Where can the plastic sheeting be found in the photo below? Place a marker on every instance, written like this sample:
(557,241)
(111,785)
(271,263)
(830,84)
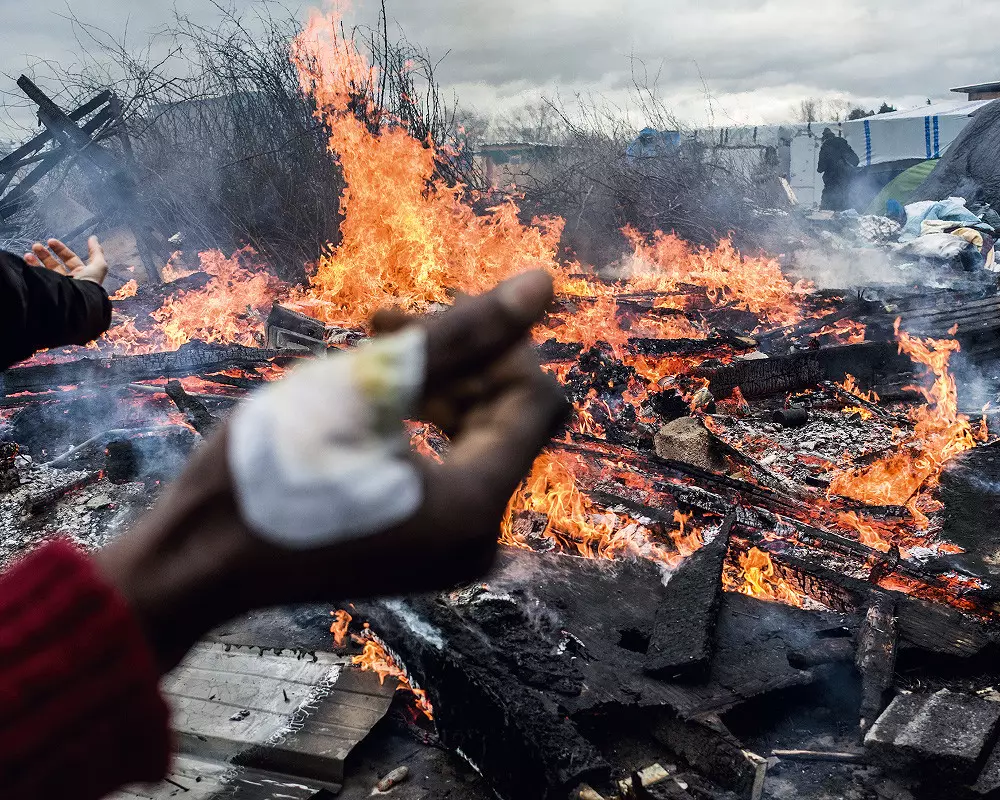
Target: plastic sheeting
(924,132)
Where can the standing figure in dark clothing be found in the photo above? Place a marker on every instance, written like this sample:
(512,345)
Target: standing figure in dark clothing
(51,298)
(838,164)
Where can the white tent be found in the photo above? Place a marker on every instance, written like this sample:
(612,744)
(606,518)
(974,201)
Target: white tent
(921,133)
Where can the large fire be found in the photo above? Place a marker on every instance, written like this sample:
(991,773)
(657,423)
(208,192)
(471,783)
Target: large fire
(411,240)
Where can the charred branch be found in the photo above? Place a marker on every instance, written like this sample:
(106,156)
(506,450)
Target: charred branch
(190,359)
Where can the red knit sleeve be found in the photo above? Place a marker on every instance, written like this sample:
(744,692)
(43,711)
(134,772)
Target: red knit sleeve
(80,709)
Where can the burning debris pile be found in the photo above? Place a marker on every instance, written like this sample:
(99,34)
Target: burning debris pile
(748,495)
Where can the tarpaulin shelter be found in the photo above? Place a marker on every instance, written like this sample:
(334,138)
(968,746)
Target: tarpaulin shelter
(921,133)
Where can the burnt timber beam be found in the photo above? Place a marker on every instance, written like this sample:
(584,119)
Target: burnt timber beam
(867,361)
(100,164)
(515,735)
(190,359)
(683,636)
(38,142)
(45,163)
(876,656)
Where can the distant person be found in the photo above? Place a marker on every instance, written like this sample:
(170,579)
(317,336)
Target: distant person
(838,164)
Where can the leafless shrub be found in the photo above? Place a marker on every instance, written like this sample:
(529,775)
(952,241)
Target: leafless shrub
(227,148)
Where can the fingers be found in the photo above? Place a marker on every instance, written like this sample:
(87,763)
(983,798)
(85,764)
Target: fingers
(481,329)
(67,256)
(45,258)
(499,440)
(95,251)
(390,320)
(32,260)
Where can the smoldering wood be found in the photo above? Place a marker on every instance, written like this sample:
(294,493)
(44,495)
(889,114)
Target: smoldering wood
(690,347)
(683,635)
(194,410)
(190,359)
(42,501)
(514,734)
(148,458)
(832,650)
(870,362)
(569,633)
(707,746)
(934,627)
(876,656)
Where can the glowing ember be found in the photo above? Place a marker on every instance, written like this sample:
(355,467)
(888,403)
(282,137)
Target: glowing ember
(339,627)
(758,578)
(939,434)
(126,290)
(376,658)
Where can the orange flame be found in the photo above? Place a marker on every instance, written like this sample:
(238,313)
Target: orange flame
(406,237)
(339,627)
(664,262)
(578,526)
(126,290)
(376,658)
(231,308)
(939,434)
(758,578)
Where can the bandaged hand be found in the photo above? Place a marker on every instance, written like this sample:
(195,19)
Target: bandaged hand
(311,492)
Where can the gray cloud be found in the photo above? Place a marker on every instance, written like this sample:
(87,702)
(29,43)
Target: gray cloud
(756,58)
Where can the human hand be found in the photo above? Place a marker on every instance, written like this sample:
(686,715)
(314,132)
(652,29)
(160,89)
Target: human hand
(194,561)
(59,258)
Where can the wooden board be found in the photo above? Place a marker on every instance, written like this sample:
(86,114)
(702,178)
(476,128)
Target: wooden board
(268,713)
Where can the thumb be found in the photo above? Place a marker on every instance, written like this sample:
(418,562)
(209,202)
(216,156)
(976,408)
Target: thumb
(94,248)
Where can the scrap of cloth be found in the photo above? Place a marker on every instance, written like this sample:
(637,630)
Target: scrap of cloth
(40,308)
(322,456)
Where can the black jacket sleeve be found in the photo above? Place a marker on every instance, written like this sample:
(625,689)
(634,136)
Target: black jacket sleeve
(40,309)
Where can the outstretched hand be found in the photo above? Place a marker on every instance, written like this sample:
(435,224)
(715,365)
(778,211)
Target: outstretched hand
(193,561)
(59,258)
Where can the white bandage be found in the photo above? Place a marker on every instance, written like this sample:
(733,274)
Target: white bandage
(321,456)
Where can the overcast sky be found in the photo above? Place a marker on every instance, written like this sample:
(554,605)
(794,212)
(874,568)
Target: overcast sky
(755,59)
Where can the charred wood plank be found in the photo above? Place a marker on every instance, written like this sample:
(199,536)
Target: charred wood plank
(819,755)
(514,735)
(189,359)
(876,656)
(690,347)
(832,650)
(868,361)
(683,636)
(709,747)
